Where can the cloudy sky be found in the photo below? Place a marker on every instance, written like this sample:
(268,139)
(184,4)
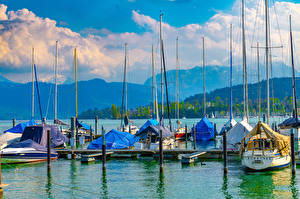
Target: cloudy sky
(99,29)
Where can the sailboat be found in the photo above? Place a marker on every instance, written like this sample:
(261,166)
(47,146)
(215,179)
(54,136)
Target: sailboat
(180,131)
(204,129)
(126,127)
(264,148)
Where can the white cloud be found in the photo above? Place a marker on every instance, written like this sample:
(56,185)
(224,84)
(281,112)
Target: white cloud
(100,52)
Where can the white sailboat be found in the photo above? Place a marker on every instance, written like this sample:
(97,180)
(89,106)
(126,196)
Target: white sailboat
(264,148)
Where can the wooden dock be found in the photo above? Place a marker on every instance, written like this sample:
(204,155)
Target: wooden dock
(91,157)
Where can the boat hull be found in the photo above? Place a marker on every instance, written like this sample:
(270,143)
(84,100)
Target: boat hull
(204,136)
(259,163)
(27,157)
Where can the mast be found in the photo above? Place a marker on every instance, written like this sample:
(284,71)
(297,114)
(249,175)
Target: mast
(230,72)
(154,89)
(32,91)
(124,96)
(258,83)
(161,67)
(293,69)
(165,78)
(203,64)
(267,59)
(245,86)
(177,81)
(75,60)
(55,99)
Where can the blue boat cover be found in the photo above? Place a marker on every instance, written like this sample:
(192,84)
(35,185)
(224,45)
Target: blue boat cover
(20,127)
(39,135)
(114,140)
(148,123)
(155,130)
(29,144)
(204,130)
(82,125)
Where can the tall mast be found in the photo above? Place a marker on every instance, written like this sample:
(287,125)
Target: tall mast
(55,98)
(244,64)
(125,77)
(161,64)
(32,75)
(154,89)
(230,72)
(267,59)
(124,95)
(293,69)
(258,83)
(203,64)
(177,82)
(75,60)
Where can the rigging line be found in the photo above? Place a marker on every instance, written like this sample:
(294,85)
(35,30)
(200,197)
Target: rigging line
(38,92)
(255,23)
(49,97)
(276,15)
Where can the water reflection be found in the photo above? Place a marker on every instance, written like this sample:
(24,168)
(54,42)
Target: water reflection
(161,185)
(225,187)
(104,193)
(49,185)
(280,184)
(73,174)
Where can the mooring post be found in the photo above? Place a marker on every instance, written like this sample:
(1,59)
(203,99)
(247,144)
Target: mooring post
(91,133)
(73,136)
(103,150)
(96,125)
(161,155)
(225,151)
(14,122)
(48,151)
(186,136)
(194,134)
(129,129)
(293,151)
(44,120)
(215,130)
(1,190)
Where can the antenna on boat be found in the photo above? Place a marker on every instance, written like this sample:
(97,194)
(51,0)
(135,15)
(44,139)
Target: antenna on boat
(56,64)
(32,75)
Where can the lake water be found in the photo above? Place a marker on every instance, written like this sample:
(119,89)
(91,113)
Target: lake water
(140,178)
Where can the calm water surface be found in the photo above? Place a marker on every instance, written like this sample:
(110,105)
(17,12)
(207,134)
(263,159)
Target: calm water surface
(140,178)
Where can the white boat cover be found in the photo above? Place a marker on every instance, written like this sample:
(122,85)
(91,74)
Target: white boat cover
(229,125)
(9,138)
(237,133)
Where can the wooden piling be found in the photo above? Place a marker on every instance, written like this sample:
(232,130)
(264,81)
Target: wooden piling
(225,152)
(103,150)
(91,134)
(96,125)
(48,151)
(161,155)
(215,130)
(293,151)
(194,134)
(14,122)
(186,136)
(44,120)
(1,189)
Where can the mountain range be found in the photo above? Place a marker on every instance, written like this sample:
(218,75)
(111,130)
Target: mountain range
(191,80)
